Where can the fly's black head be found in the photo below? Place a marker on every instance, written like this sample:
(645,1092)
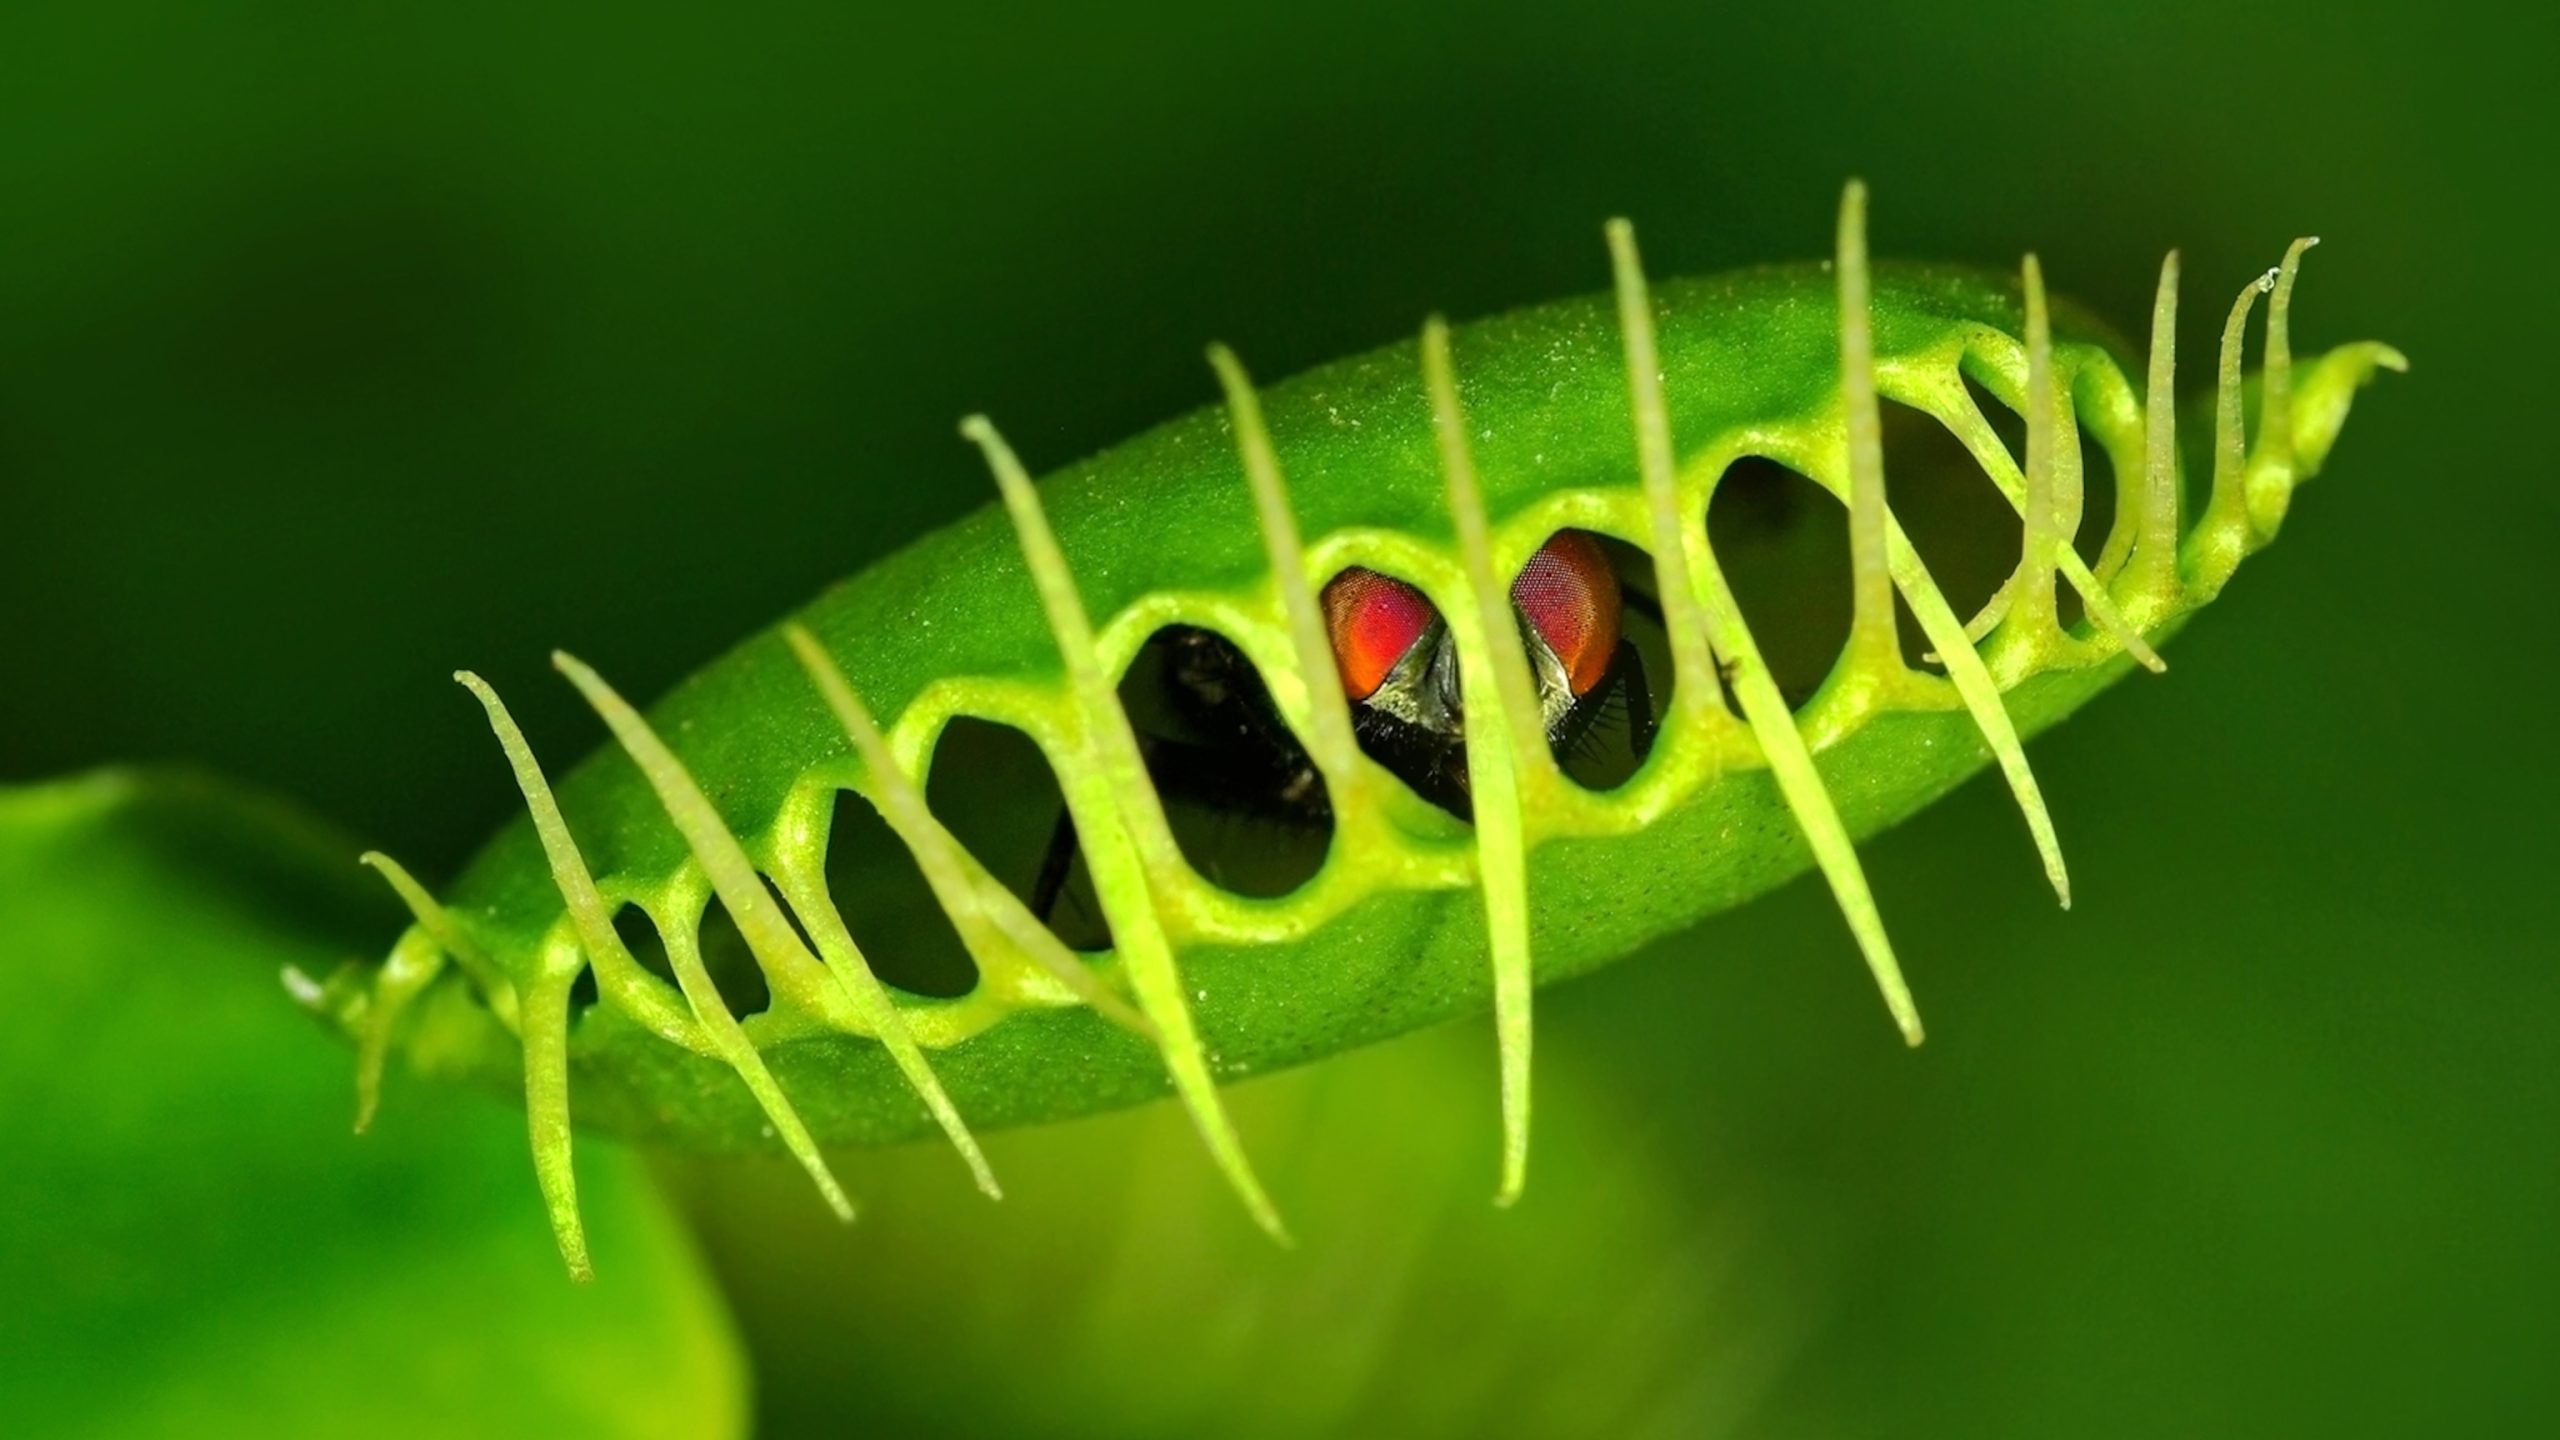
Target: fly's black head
(1399,664)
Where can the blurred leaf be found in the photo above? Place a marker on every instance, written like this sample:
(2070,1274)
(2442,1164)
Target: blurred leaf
(192,1243)
(1120,1292)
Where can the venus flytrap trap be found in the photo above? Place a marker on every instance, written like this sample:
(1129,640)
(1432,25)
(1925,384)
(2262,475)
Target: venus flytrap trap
(1385,575)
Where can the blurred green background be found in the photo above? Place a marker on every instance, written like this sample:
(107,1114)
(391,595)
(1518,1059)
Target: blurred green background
(341,345)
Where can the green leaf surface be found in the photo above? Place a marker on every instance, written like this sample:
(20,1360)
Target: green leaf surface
(1383,940)
(191,1242)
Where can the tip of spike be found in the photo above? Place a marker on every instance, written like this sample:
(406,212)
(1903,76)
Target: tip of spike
(1238,385)
(305,991)
(470,680)
(579,673)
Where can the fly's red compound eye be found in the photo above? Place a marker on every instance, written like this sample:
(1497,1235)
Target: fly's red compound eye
(1374,620)
(1569,595)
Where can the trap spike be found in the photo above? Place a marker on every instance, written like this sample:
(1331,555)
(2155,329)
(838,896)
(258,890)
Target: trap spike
(1981,696)
(1501,710)
(1696,603)
(1696,690)
(2221,538)
(1993,611)
(2034,607)
(2230,415)
(1874,535)
(1973,430)
(1872,635)
(724,861)
(972,905)
(1112,785)
(2155,544)
(684,956)
(2068,471)
(1014,921)
(302,989)
(2325,390)
(1873,646)
(545,1032)
(2051,506)
(2273,472)
(808,897)
(414,963)
(2275,423)
(717,1030)
(1970,426)
(2102,611)
(439,925)
(2100,607)
(618,974)
(1800,786)
(785,961)
(1329,738)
